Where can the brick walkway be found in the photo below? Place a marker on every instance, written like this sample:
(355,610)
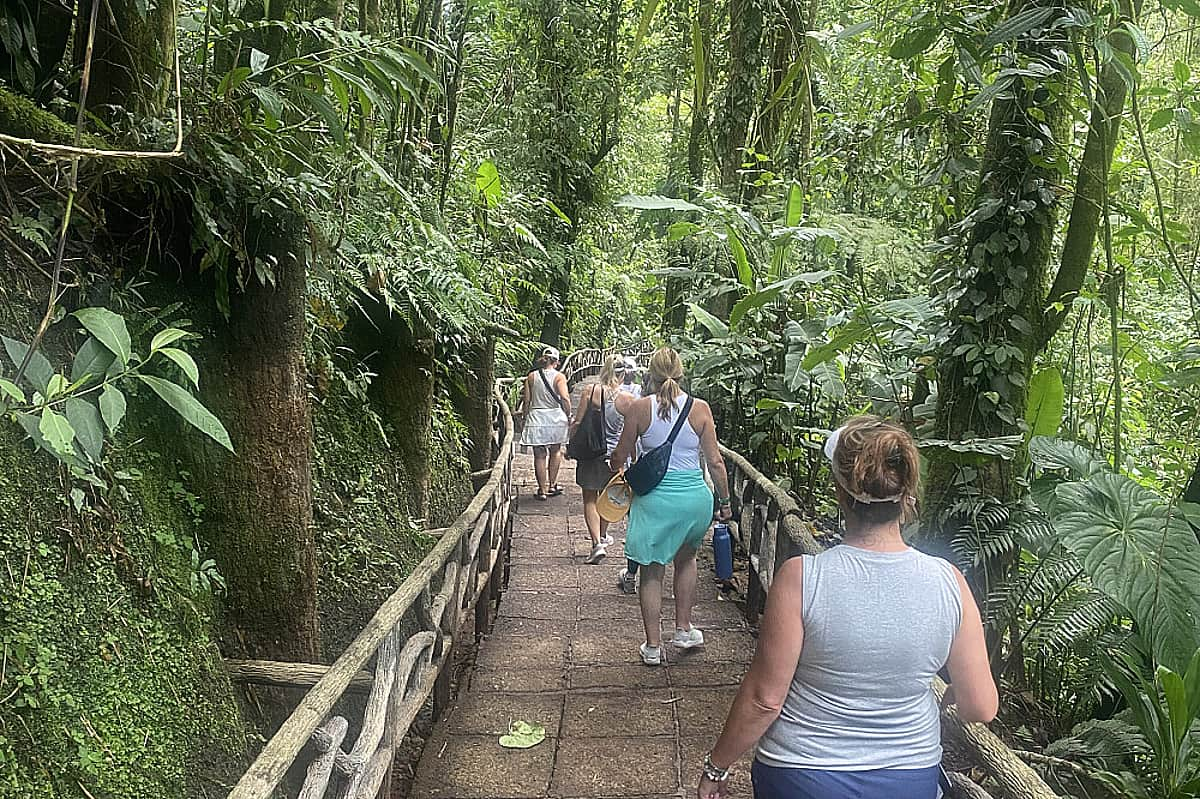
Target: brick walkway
(564,654)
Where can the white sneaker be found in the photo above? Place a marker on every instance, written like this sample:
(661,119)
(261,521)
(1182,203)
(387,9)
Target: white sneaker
(688,639)
(607,540)
(598,553)
(651,655)
(627,582)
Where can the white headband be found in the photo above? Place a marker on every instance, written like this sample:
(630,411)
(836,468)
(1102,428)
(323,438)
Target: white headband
(831,444)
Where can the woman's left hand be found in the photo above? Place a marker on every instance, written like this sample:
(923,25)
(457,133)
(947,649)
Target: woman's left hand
(725,513)
(709,789)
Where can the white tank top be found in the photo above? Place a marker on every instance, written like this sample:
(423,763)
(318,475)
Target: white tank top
(541,396)
(685,455)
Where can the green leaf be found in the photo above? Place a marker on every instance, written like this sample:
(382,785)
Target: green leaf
(523,735)
(745,274)
(914,42)
(1175,694)
(847,336)
(1018,25)
(39,371)
(93,359)
(643,27)
(681,230)
(487,183)
(793,210)
(1044,413)
(1160,119)
(712,324)
(1054,454)
(112,407)
(557,211)
(655,202)
(1136,549)
(109,328)
(189,408)
(184,362)
(89,428)
(333,120)
(56,432)
(165,338)
(11,390)
(766,295)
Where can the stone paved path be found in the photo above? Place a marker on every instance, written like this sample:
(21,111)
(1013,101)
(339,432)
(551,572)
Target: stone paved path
(564,653)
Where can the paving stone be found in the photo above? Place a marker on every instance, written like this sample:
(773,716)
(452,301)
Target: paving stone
(588,768)
(541,578)
(631,675)
(702,712)
(718,614)
(632,713)
(538,605)
(477,767)
(611,605)
(489,713)
(685,673)
(720,646)
(607,642)
(507,651)
(510,680)
(512,625)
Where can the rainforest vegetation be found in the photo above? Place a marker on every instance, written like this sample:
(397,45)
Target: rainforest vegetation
(262,260)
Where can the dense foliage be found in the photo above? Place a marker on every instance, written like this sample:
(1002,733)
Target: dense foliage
(980,219)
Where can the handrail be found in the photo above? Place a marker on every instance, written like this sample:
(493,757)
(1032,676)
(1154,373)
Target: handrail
(410,665)
(591,359)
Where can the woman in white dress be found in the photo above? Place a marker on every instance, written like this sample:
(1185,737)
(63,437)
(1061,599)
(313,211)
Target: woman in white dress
(547,406)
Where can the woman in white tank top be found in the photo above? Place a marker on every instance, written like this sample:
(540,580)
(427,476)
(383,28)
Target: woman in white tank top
(546,405)
(667,525)
(839,696)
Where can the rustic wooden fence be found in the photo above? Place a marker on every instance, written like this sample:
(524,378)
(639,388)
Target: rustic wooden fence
(410,640)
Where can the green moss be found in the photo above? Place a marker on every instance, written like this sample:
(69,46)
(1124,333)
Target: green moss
(112,686)
(367,540)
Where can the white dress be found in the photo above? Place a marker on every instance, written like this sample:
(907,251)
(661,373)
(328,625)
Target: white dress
(545,420)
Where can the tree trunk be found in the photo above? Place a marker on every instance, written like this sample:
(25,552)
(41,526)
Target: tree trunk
(741,95)
(474,401)
(261,505)
(131,58)
(991,334)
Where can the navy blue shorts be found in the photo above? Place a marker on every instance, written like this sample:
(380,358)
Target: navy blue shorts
(773,782)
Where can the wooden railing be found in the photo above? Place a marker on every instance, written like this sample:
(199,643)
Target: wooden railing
(582,364)
(761,511)
(411,639)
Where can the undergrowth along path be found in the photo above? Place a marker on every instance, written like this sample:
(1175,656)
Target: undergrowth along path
(564,654)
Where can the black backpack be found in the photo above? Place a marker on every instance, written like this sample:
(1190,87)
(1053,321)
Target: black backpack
(588,443)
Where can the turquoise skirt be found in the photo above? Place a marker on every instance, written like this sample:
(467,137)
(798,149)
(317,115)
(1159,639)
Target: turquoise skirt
(675,514)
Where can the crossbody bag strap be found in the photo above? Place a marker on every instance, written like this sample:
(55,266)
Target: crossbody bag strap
(550,388)
(683,415)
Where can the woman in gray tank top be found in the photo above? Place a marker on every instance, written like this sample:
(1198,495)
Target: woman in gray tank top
(839,696)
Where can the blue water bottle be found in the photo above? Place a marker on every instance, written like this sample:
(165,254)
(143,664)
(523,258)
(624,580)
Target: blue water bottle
(722,545)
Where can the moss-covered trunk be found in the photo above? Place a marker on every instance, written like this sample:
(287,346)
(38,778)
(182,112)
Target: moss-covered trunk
(474,401)
(991,334)
(261,533)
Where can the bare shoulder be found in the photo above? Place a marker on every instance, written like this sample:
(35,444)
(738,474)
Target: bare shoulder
(701,412)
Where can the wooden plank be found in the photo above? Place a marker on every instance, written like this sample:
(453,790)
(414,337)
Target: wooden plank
(328,741)
(289,675)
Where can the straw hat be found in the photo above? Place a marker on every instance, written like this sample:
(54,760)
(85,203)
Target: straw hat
(613,502)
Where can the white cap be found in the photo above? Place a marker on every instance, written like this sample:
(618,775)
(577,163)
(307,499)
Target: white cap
(551,353)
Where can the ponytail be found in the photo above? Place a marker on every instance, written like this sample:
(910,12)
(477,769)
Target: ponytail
(665,372)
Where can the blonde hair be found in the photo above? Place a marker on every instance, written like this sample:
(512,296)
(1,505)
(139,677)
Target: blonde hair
(663,376)
(877,460)
(608,372)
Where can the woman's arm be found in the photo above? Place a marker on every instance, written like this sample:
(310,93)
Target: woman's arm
(525,394)
(636,422)
(974,690)
(582,410)
(564,396)
(765,687)
(712,456)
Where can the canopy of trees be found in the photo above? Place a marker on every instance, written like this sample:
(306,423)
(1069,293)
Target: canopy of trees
(260,263)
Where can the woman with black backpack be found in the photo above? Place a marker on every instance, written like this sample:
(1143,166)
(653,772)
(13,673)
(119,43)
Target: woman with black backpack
(594,435)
